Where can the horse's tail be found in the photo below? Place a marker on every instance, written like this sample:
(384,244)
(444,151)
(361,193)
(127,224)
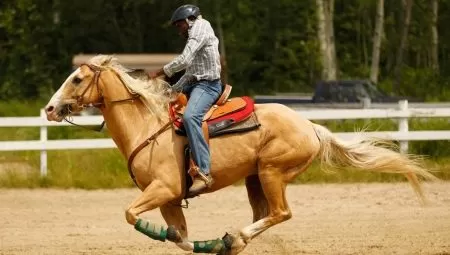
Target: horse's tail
(372,155)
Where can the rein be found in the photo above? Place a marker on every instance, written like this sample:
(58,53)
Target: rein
(143,145)
(96,128)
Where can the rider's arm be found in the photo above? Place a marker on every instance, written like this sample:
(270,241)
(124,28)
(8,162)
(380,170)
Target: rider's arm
(197,37)
(180,83)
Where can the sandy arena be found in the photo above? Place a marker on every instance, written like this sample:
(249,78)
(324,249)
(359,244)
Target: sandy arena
(327,219)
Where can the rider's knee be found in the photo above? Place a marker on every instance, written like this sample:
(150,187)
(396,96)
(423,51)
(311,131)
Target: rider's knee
(188,117)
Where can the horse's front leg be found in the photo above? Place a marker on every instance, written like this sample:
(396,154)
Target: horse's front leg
(174,217)
(155,195)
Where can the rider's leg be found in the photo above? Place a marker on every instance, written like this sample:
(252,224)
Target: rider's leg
(202,96)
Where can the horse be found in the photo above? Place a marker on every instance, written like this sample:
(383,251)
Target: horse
(136,110)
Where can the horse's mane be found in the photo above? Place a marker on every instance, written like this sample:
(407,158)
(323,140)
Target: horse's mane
(154,93)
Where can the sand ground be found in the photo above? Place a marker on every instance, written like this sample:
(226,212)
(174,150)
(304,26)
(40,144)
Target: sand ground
(327,219)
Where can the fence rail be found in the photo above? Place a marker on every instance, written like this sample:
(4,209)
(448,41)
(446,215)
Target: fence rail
(402,113)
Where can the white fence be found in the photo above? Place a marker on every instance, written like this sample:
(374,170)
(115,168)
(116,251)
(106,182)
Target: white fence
(402,113)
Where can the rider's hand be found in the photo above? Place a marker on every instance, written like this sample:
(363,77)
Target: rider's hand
(152,75)
(155,74)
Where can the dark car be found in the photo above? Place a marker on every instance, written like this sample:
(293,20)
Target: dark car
(352,91)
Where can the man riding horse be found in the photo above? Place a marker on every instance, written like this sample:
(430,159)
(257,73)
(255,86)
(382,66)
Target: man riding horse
(269,157)
(201,83)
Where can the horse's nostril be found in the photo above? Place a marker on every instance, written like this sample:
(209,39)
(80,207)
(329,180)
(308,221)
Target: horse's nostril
(50,109)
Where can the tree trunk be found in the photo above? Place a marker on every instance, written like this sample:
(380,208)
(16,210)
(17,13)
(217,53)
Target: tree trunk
(407,6)
(325,32)
(223,54)
(329,17)
(379,24)
(321,34)
(434,36)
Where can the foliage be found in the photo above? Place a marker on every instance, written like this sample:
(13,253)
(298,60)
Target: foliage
(271,46)
(31,54)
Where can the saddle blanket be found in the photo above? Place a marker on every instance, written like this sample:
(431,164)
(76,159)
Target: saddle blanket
(240,119)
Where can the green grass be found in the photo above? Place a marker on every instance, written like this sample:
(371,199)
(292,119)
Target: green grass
(16,108)
(87,169)
(106,168)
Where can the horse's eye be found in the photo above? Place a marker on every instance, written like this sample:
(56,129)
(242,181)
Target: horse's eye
(77,80)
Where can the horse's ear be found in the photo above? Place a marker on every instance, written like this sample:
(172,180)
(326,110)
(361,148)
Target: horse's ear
(106,61)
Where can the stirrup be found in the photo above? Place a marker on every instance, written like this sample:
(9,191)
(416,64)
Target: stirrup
(208,181)
(195,173)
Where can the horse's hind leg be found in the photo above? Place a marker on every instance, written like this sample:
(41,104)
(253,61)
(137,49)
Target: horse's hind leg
(256,197)
(274,187)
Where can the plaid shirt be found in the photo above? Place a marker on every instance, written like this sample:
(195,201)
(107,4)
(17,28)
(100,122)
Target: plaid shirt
(200,56)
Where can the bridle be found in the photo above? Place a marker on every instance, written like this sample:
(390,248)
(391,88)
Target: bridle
(94,82)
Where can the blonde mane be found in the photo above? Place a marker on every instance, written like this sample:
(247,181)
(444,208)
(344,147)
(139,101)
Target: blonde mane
(154,93)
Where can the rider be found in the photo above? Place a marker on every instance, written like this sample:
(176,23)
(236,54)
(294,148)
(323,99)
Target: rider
(201,83)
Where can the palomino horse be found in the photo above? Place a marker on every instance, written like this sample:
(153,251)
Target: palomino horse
(269,157)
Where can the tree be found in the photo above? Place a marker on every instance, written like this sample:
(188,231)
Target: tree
(31,55)
(325,12)
(407,7)
(434,36)
(267,46)
(378,34)
(223,53)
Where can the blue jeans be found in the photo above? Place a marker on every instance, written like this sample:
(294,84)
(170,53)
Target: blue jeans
(202,95)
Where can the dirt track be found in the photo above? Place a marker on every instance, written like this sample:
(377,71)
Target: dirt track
(327,219)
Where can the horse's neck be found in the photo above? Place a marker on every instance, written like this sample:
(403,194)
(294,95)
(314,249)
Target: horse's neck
(129,123)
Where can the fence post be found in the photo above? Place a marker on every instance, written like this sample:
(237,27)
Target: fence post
(403,125)
(366,103)
(43,136)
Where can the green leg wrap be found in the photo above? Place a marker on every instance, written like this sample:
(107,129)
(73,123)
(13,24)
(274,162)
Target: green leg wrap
(151,230)
(211,246)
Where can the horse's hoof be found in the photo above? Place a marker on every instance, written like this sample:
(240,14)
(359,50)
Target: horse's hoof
(228,240)
(173,235)
(232,245)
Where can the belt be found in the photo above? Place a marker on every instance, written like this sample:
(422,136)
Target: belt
(207,80)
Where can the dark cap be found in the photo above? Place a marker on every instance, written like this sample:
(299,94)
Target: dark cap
(185,11)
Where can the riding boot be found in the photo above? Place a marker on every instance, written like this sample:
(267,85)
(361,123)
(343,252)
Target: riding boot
(200,183)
